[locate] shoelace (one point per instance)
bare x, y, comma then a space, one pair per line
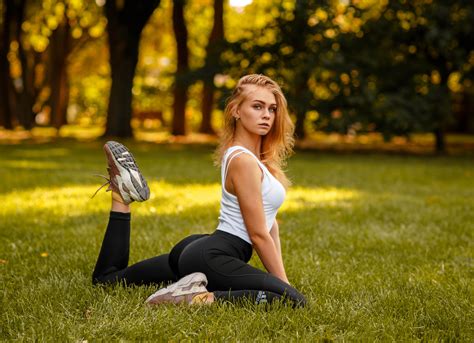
105, 184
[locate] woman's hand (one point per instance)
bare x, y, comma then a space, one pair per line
244, 176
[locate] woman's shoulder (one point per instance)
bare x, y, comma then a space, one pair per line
243, 161
243, 168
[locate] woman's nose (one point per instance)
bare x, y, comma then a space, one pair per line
266, 114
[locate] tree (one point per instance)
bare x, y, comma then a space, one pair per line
180, 88
212, 66
42, 37
393, 75
5, 106
59, 49
300, 54
24, 95
21, 108
126, 20
445, 45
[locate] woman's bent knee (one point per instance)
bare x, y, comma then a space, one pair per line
100, 280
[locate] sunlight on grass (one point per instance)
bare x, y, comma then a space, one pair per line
26, 154
81, 132
304, 198
24, 164
70, 200
166, 198
156, 137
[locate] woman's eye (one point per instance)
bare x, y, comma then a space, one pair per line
257, 107
273, 109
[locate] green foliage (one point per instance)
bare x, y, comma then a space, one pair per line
89, 72
387, 66
353, 66
34, 61
382, 246
83, 16
396, 75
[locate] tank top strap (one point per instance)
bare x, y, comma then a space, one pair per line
226, 161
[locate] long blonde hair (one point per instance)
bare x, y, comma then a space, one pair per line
277, 145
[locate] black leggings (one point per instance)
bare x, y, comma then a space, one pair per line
222, 257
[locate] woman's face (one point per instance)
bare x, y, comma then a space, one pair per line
257, 112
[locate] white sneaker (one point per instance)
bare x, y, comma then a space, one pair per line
182, 291
124, 178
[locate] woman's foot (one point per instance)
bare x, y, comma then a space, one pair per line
125, 179
191, 289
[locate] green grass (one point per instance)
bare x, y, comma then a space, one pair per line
382, 246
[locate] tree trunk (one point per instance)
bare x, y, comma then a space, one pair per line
440, 142
299, 125
301, 97
181, 84
465, 115
59, 51
206, 107
179, 108
211, 68
125, 22
5, 106
123, 61
26, 96
442, 109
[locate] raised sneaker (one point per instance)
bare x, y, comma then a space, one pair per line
124, 178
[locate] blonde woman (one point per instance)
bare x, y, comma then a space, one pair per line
208, 267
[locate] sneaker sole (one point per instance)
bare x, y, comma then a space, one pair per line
192, 283
129, 173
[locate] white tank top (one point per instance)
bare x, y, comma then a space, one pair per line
273, 194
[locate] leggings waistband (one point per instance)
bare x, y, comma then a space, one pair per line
237, 242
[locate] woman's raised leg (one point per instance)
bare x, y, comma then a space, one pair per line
112, 264
127, 185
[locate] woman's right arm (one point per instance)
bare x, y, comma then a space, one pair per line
245, 176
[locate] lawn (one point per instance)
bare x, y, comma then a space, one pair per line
382, 247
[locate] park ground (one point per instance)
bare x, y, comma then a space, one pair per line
381, 245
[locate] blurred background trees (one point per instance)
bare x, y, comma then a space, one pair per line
125, 22
394, 67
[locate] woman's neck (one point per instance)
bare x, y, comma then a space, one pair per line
252, 143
